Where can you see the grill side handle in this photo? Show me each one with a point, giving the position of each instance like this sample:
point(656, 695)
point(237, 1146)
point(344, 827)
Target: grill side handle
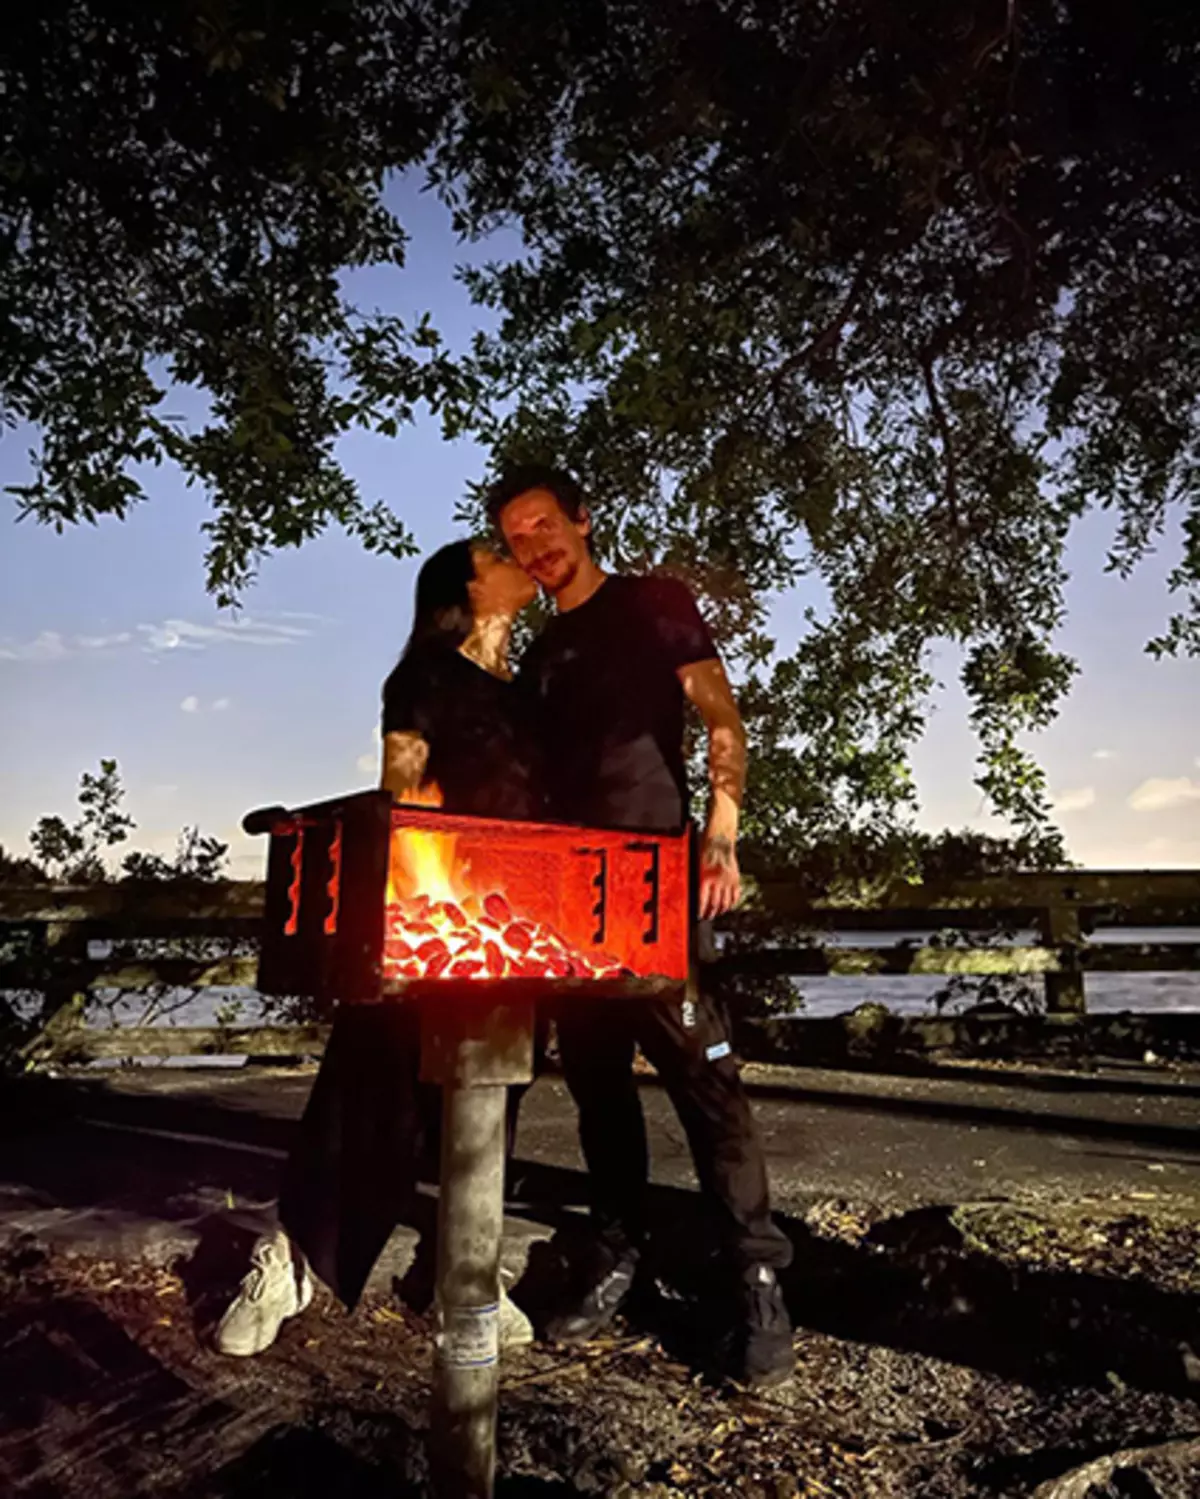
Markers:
point(271, 820)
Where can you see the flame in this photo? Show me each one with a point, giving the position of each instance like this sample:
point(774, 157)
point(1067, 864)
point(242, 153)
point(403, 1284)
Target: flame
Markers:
point(423, 862)
point(437, 926)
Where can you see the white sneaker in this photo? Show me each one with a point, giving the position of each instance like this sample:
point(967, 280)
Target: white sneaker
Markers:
point(516, 1330)
point(277, 1286)
point(513, 1327)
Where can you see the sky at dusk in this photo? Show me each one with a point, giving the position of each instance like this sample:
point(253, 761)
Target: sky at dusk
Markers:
point(109, 647)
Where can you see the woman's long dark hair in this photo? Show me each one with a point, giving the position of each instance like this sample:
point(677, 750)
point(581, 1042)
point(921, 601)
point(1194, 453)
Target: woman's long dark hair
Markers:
point(442, 613)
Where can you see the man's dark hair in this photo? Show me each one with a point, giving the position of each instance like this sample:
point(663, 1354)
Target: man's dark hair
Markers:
point(518, 481)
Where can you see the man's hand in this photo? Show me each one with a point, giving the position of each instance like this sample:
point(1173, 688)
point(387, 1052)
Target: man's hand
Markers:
point(720, 880)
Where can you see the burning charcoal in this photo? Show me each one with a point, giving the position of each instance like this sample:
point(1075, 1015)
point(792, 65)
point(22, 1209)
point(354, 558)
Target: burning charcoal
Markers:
point(434, 948)
point(453, 913)
point(468, 941)
point(465, 968)
point(422, 929)
point(580, 967)
point(557, 966)
point(518, 936)
point(437, 965)
point(498, 909)
point(395, 951)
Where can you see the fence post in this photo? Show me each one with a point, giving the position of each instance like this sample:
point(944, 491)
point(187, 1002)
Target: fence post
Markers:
point(1064, 990)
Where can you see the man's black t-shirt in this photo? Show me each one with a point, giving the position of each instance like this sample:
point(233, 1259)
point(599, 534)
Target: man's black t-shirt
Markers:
point(610, 705)
point(482, 753)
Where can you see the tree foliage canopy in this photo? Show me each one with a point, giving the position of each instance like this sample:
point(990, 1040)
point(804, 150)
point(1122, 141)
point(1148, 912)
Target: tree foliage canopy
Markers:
point(878, 295)
point(885, 295)
point(181, 187)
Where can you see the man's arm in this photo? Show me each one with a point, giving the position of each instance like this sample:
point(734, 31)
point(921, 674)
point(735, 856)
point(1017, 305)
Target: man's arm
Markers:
point(707, 686)
point(405, 756)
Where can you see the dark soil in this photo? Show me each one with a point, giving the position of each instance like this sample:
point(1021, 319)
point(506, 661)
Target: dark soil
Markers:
point(943, 1353)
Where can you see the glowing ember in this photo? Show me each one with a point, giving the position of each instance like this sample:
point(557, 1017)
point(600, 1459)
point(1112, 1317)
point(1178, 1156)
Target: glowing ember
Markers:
point(437, 927)
point(473, 939)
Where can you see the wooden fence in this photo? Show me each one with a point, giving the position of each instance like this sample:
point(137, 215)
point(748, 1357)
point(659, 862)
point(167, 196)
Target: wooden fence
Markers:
point(51, 942)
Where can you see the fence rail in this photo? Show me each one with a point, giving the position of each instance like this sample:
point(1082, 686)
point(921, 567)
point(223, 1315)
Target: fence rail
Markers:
point(49, 939)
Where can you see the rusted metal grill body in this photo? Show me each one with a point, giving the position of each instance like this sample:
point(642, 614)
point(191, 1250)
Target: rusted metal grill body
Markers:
point(617, 903)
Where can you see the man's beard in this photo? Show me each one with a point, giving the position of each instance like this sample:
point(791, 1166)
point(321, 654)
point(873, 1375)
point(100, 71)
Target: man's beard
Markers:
point(563, 579)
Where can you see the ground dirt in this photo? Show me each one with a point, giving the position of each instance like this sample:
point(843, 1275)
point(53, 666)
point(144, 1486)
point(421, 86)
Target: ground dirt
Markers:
point(946, 1352)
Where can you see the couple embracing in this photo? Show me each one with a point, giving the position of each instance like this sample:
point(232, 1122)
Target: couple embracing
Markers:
point(591, 731)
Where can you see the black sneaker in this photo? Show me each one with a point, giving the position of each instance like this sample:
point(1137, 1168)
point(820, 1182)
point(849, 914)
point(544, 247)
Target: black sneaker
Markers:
point(599, 1304)
point(760, 1351)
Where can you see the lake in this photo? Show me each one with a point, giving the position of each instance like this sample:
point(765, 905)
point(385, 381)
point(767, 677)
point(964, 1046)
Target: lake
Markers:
point(906, 995)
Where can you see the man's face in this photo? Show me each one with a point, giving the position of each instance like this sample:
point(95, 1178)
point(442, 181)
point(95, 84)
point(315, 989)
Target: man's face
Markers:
point(544, 540)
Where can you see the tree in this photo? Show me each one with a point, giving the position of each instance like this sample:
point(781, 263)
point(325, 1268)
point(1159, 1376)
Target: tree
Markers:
point(877, 296)
point(196, 858)
point(874, 297)
point(17, 870)
point(74, 853)
point(180, 188)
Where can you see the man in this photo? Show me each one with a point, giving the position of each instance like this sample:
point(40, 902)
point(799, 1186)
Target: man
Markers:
point(610, 675)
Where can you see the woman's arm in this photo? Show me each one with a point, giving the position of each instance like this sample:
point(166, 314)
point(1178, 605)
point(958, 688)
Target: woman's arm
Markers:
point(405, 757)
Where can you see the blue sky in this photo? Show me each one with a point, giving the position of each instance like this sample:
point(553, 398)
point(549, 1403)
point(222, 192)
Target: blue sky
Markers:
point(109, 646)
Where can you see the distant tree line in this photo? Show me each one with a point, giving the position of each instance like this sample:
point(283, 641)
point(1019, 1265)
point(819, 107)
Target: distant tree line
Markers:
point(80, 852)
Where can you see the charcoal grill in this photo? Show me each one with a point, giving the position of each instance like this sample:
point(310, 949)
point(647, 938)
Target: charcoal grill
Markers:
point(369, 900)
point(541, 908)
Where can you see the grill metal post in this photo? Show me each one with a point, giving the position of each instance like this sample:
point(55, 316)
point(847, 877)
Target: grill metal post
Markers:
point(474, 1052)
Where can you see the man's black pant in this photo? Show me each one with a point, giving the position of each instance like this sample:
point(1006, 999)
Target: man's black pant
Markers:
point(689, 1048)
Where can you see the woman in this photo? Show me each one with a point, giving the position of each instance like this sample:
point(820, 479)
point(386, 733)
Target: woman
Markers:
point(451, 717)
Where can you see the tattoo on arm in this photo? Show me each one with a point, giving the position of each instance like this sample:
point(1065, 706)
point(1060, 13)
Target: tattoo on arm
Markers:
point(405, 757)
point(719, 850)
point(727, 761)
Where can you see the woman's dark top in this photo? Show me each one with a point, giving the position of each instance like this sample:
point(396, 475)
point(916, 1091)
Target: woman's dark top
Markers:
point(482, 751)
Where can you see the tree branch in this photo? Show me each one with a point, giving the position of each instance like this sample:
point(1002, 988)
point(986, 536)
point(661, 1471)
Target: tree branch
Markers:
point(826, 340)
point(938, 412)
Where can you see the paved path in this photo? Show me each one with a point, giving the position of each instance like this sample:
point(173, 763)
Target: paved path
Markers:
point(143, 1163)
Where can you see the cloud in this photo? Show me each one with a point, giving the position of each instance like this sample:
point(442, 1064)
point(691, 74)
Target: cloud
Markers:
point(220, 704)
point(48, 646)
point(166, 635)
point(368, 764)
point(187, 635)
point(1075, 801)
point(1159, 793)
point(190, 705)
point(102, 642)
point(1104, 754)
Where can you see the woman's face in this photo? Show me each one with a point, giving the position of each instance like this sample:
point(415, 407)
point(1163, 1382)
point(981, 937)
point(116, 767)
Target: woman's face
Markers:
point(500, 586)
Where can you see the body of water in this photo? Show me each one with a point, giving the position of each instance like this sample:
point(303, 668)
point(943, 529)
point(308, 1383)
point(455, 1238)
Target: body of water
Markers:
point(906, 995)
point(1107, 993)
